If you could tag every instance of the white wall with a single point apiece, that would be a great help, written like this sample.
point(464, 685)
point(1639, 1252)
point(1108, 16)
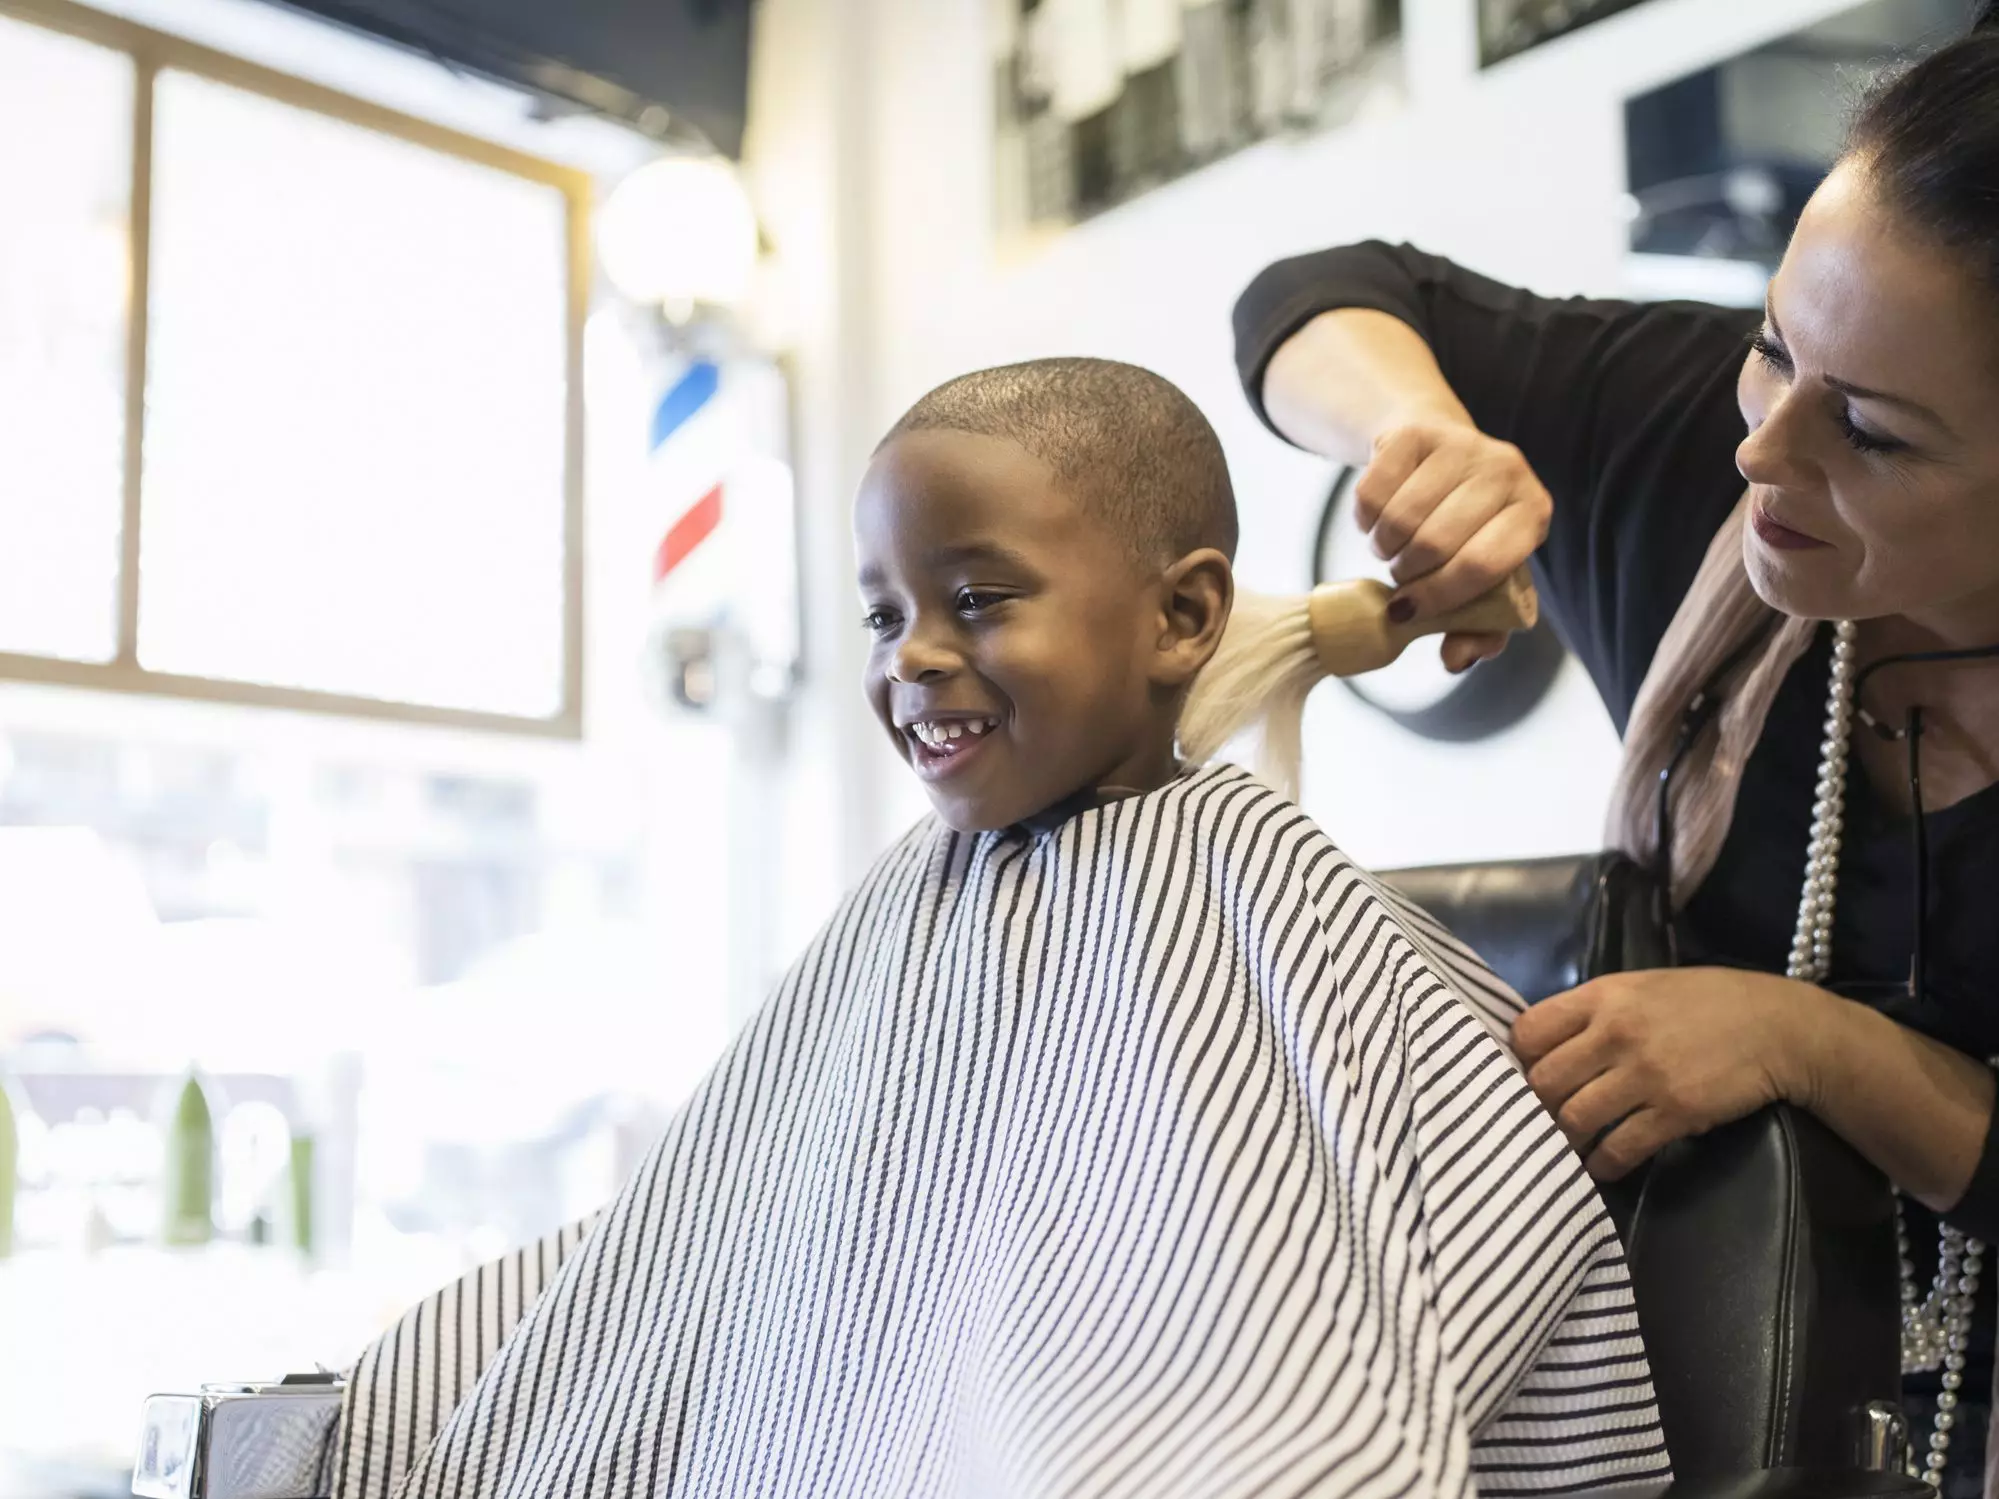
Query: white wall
point(1518, 172)
point(806, 151)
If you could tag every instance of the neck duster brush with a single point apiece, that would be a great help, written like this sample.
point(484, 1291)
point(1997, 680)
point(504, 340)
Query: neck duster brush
point(1276, 650)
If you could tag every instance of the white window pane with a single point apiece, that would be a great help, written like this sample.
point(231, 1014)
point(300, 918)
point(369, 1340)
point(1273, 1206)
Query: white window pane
point(353, 474)
point(65, 174)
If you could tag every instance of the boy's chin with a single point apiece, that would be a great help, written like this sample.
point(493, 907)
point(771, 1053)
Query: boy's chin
point(982, 814)
point(968, 816)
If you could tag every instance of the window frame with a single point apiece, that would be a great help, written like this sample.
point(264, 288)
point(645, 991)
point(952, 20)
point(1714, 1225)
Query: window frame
point(152, 52)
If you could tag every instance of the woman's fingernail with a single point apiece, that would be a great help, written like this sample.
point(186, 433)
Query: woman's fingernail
point(1401, 611)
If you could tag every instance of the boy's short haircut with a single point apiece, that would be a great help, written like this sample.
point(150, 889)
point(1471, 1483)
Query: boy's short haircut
point(1121, 438)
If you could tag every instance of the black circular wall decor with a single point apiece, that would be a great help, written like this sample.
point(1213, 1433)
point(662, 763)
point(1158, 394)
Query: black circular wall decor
point(1417, 692)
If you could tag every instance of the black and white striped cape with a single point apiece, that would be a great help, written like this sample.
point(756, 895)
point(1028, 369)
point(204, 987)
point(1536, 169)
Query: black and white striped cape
point(1156, 1154)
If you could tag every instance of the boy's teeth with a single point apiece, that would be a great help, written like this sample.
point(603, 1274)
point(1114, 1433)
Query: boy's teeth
point(942, 735)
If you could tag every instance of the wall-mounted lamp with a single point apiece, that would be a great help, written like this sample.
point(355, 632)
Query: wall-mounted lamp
point(679, 232)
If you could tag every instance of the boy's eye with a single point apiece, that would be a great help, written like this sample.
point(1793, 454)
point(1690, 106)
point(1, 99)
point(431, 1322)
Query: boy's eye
point(978, 600)
point(878, 621)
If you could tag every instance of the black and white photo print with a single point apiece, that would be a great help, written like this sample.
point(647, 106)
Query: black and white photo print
point(1099, 100)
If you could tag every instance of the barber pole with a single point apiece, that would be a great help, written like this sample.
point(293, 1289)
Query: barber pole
point(724, 566)
point(688, 457)
point(724, 650)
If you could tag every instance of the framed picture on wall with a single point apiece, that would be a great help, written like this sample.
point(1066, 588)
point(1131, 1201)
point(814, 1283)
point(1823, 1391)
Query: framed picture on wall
point(1509, 27)
point(1097, 101)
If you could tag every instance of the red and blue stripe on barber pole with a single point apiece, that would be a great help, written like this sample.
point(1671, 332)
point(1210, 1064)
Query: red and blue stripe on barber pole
point(720, 491)
point(696, 507)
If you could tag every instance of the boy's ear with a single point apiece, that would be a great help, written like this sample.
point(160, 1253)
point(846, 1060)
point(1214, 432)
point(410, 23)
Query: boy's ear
point(1196, 594)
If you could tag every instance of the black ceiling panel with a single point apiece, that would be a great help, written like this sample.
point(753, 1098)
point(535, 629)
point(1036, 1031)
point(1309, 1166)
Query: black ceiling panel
point(629, 59)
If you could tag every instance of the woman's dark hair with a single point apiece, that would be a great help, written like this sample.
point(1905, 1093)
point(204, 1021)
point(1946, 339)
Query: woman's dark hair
point(1930, 141)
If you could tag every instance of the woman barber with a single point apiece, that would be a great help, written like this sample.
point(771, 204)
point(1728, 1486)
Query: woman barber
point(1773, 540)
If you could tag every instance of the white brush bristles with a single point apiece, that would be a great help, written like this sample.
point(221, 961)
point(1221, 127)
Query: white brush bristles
point(1261, 674)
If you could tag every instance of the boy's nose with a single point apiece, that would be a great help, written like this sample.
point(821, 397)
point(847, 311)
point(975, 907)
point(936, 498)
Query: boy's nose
point(919, 661)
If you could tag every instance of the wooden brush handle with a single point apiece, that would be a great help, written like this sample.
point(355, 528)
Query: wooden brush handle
point(1352, 632)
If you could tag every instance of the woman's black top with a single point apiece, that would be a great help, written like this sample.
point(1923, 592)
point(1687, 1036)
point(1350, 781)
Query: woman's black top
point(1627, 412)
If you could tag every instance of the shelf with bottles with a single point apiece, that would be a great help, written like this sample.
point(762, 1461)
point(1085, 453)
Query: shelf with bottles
point(92, 1159)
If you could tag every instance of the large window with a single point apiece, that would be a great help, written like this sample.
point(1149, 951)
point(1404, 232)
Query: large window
point(291, 387)
point(288, 413)
point(63, 336)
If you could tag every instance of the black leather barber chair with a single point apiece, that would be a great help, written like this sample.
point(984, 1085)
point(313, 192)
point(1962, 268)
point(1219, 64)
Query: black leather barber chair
point(1762, 1254)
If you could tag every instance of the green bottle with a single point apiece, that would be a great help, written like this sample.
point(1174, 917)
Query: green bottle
point(300, 1183)
point(10, 1158)
point(190, 1173)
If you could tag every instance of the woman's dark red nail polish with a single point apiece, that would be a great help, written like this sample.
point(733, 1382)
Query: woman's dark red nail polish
point(1401, 611)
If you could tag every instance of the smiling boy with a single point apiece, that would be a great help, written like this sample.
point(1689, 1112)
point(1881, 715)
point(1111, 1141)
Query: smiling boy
point(1044, 562)
point(1116, 1137)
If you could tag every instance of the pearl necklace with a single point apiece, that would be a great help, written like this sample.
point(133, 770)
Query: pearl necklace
point(1937, 1329)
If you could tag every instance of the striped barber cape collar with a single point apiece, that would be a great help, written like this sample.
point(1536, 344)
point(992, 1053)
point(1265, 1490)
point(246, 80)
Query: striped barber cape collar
point(1089, 799)
point(1160, 1153)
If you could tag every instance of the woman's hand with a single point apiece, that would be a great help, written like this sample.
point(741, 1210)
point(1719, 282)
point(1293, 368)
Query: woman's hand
point(1633, 1061)
point(1453, 512)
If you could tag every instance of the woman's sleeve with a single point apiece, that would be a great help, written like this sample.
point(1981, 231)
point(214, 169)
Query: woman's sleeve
point(1625, 410)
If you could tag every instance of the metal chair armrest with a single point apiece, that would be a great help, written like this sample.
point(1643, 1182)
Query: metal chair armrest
point(240, 1441)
